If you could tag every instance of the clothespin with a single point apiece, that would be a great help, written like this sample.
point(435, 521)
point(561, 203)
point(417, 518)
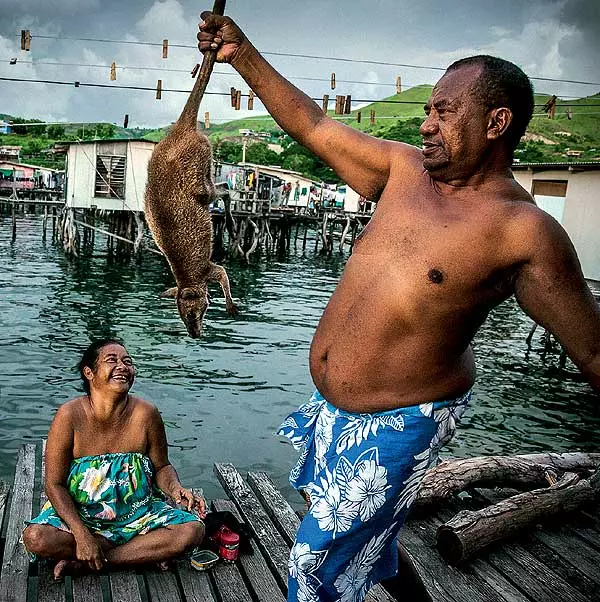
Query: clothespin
point(398, 85)
point(77, 84)
point(13, 61)
point(195, 69)
point(159, 89)
point(113, 71)
point(207, 120)
point(233, 93)
point(358, 117)
point(238, 99)
point(372, 116)
point(126, 120)
point(339, 104)
point(25, 39)
point(325, 103)
point(165, 49)
point(251, 100)
point(348, 107)
point(569, 113)
point(333, 81)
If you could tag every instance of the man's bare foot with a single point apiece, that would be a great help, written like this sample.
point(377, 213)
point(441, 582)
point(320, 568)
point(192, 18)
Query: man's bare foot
point(66, 567)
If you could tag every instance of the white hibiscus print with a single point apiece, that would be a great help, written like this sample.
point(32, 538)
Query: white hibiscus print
point(94, 482)
point(367, 489)
point(352, 584)
point(302, 566)
point(362, 426)
point(323, 436)
point(331, 513)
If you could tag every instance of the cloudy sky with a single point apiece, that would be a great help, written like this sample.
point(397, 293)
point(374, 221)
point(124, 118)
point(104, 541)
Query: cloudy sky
point(548, 39)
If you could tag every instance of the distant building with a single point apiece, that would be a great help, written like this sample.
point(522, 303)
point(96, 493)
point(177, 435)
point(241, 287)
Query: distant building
point(569, 192)
point(24, 178)
point(10, 153)
point(107, 174)
point(5, 127)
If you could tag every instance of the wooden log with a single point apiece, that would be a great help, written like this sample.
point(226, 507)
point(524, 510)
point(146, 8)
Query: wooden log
point(471, 531)
point(521, 472)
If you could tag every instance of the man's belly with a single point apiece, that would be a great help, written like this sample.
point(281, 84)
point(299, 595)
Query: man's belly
point(358, 375)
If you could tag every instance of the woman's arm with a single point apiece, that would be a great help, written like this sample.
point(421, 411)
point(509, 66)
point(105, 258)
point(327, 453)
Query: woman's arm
point(59, 454)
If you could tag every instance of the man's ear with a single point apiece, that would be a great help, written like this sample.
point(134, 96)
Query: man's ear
point(88, 372)
point(498, 122)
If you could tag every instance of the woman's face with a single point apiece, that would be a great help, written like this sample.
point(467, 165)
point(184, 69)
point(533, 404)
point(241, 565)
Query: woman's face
point(114, 369)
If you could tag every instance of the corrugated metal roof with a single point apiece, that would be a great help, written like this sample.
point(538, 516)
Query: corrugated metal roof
point(561, 165)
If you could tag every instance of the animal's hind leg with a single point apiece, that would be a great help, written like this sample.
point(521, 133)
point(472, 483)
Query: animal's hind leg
point(218, 274)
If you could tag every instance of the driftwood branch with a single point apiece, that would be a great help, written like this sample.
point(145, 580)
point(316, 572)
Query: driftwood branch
point(471, 531)
point(520, 472)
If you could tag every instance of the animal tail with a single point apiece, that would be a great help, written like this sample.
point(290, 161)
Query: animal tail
point(189, 115)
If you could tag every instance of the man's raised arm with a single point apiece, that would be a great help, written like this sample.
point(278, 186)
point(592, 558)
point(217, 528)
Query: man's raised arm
point(362, 161)
point(551, 289)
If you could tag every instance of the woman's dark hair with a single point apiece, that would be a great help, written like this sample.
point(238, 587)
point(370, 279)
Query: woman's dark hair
point(90, 358)
point(502, 84)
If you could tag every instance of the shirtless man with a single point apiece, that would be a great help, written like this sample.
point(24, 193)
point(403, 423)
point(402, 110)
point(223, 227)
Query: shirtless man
point(452, 237)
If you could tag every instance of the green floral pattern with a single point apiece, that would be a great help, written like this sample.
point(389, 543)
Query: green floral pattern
point(115, 497)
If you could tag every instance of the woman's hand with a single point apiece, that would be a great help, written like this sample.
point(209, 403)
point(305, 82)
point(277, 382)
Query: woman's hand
point(191, 502)
point(220, 34)
point(89, 551)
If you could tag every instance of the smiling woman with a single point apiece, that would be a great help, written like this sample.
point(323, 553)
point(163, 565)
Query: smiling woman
point(106, 450)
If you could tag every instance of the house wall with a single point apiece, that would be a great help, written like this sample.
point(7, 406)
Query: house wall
point(81, 175)
point(581, 216)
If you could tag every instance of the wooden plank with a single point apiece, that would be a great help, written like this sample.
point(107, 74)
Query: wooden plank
point(195, 584)
point(269, 540)
point(438, 577)
point(162, 586)
point(4, 491)
point(229, 583)
point(254, 566)
point(15, 564)
point(48, 589)
point(287, 521)
point(87, 588)
point(538, 581)
point(124, 587)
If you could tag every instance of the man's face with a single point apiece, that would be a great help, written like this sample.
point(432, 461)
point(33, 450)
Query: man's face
point(455, 130)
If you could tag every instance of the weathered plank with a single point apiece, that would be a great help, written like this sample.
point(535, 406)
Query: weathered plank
point(268, 539)
point(254, 566)
point(4, 491)
point(124, 586)
point(48, 589)
point(230, 584)
point(195, 584)
point(15, 564)
point(462, 584)
point(287, 521)
point(162, 586)
point(87, 588)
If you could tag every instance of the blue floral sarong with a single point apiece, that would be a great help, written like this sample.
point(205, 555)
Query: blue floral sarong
point(115, 498)
point(362, 472)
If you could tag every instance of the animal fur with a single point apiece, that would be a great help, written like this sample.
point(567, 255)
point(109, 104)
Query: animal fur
point(179, 189)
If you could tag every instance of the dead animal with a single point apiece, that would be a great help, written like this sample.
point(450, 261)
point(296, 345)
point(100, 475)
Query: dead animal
point(178, 193)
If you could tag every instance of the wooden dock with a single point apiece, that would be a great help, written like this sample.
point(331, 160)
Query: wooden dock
point(560, 564)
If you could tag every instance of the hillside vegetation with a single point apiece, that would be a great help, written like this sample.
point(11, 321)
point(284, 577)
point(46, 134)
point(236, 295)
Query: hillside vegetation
point(397, 117)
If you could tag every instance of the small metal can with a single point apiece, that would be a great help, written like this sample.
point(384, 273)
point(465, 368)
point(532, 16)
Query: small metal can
point(229, 543)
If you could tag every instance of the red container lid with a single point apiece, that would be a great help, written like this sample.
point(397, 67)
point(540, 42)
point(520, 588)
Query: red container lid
point(228, 537)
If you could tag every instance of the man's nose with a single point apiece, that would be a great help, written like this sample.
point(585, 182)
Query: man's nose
point(428, 127)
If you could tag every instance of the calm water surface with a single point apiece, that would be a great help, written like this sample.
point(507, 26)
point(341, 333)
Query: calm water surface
point(223, 397)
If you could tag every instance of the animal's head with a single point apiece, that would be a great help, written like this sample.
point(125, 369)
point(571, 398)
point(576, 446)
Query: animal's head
point(192, 303)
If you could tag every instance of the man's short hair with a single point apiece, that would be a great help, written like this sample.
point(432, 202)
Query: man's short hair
point(502, 84)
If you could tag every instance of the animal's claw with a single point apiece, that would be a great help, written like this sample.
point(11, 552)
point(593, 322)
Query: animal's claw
point(232, 309)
